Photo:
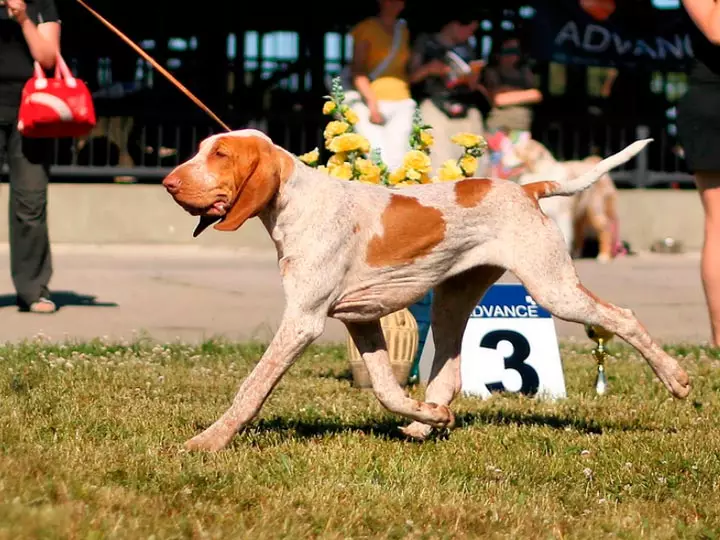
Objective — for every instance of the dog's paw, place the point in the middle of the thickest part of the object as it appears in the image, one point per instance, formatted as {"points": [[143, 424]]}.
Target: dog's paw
{"points": [[205, 442], [416, 430], [443, 416], [678, 383]]}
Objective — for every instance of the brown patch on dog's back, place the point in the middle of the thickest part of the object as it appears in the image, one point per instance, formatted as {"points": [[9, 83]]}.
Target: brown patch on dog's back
{"points": [[470, 192], [410, 230]]}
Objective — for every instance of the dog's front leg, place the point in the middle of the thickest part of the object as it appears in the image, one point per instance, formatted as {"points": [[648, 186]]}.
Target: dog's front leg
{"points": [[297, 331]]}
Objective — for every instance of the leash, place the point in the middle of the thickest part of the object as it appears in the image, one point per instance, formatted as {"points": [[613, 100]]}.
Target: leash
{"points": [[156, 65]]}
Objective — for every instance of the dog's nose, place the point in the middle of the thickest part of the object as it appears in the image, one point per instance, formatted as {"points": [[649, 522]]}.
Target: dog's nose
{"points": [[172, 183]]}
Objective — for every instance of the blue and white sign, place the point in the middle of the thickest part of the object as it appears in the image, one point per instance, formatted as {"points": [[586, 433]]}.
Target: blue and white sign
{"points": [[509, 345]]}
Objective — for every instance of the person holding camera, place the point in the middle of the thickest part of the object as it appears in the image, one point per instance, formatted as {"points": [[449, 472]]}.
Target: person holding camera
{"points": [[29, 32], [451, 97]]}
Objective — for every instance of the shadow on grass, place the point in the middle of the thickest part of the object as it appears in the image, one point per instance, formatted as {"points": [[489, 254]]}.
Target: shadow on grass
{"points": [[555, 421], [389, 428]]}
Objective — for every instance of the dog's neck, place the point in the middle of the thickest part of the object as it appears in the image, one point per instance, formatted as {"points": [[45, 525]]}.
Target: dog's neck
{"points": [[298, 198]]}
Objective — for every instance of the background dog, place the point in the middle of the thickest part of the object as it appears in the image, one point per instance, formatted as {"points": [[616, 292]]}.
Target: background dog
{"points": [[590, 213]]}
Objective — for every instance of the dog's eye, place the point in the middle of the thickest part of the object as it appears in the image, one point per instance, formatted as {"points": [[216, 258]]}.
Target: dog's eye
{"points": [[219, 152]]}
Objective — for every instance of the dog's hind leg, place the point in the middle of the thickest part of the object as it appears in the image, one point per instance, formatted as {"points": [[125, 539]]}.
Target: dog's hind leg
{"points": [[453, 301], [370, 341], [550, 277]]}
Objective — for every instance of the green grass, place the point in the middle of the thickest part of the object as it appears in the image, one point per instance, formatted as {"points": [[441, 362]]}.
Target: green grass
{"points": [[91, 447]]}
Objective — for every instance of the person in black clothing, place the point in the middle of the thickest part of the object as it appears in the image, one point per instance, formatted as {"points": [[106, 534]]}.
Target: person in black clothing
{"points": [[451, 102], [29, 31], [698, 121]]}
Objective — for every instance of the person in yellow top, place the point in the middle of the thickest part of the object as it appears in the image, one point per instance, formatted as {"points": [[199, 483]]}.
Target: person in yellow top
{"points": [[379, 81]]}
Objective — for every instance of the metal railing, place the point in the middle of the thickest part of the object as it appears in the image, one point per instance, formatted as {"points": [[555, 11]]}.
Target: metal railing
{"points": [[660, 165], [150, 147]]}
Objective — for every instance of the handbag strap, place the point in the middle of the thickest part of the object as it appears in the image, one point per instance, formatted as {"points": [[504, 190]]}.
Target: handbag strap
{"points": [[397, 40], [62, 72]]}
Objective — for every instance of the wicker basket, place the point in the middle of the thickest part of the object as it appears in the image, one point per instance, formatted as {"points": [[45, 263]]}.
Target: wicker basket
{"points": [[401, 335]]}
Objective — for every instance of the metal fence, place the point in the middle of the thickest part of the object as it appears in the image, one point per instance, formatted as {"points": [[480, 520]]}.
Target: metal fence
{"points": [[147, 148]]}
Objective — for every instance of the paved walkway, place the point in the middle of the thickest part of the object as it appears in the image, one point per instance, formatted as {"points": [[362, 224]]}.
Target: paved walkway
{"points": [[193, 293]]}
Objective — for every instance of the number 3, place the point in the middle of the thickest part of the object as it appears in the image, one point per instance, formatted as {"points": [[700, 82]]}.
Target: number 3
{"points": [[516, 361]]}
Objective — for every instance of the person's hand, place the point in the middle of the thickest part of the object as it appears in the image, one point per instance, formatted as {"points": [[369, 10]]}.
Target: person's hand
{"points": [[477, 66], [376, 116], [437, 67], [17, 10]]}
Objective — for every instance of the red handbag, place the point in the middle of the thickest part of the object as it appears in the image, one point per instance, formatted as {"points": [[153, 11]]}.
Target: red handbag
{"points": [[57, 107]]}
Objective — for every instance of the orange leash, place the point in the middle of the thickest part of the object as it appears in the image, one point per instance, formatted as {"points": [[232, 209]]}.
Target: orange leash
{"points": [[157, 66]]}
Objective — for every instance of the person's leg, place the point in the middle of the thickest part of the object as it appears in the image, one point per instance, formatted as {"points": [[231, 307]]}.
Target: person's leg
{"points": [[708, 184], [4, 138], [372, 132], [396, 131], [30, 259]]}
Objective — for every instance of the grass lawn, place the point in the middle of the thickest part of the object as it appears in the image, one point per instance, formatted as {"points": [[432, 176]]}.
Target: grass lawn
{"points": [[91, 447]]}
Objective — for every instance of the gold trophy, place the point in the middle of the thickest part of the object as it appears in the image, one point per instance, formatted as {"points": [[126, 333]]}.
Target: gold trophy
{"points": [[600, 336]]}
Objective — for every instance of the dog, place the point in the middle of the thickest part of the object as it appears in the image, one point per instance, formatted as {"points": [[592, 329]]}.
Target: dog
{"points": [[357, 252], [592, 212]]}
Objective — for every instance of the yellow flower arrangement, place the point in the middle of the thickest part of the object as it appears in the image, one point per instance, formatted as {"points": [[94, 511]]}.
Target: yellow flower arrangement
{"points": [[311, 158], [353, 159], [416, 166]]}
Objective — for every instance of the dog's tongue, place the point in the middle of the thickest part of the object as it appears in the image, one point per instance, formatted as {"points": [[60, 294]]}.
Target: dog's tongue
{"points": [[204, 223]]}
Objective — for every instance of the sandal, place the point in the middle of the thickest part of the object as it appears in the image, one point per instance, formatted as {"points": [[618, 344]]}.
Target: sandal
{"points": [[43, 305]]}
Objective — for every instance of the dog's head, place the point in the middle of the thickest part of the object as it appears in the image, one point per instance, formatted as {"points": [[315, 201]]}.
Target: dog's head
{"points": [[528, 153], [232, 178]]}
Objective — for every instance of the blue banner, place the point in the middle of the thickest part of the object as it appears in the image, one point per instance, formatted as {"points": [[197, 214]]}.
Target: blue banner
{"points": [[611, 33]]}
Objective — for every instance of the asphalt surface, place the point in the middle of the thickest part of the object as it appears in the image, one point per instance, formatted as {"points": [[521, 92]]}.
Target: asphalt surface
{"points": [[191, 293]]}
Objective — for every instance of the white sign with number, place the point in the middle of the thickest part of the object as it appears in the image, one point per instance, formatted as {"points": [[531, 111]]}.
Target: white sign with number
{"points": [[510, 345]]}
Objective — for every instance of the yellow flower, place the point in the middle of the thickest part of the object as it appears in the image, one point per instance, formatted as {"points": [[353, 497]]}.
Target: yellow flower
{"points": [[310, 157], [417, 160], [335, 128], [425, 179], [350, 117], [343, 171], [397, 176], [369, 172], [413, 174], [337, 159], [322, 168], [468, 164], [468, 140], [329, 107], [349, 142], [426, 139], [450, 170]]}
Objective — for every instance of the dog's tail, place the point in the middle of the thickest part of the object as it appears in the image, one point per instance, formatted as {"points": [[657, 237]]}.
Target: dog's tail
{"points": [[540, 190]]}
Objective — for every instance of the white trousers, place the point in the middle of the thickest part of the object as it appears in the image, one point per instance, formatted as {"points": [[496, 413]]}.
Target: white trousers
{"points": [[444, 128], [393, 137]]}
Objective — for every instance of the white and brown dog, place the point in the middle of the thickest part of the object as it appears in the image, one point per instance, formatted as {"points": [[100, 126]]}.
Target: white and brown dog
{"points": [[357, 252], [589, 213]]}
